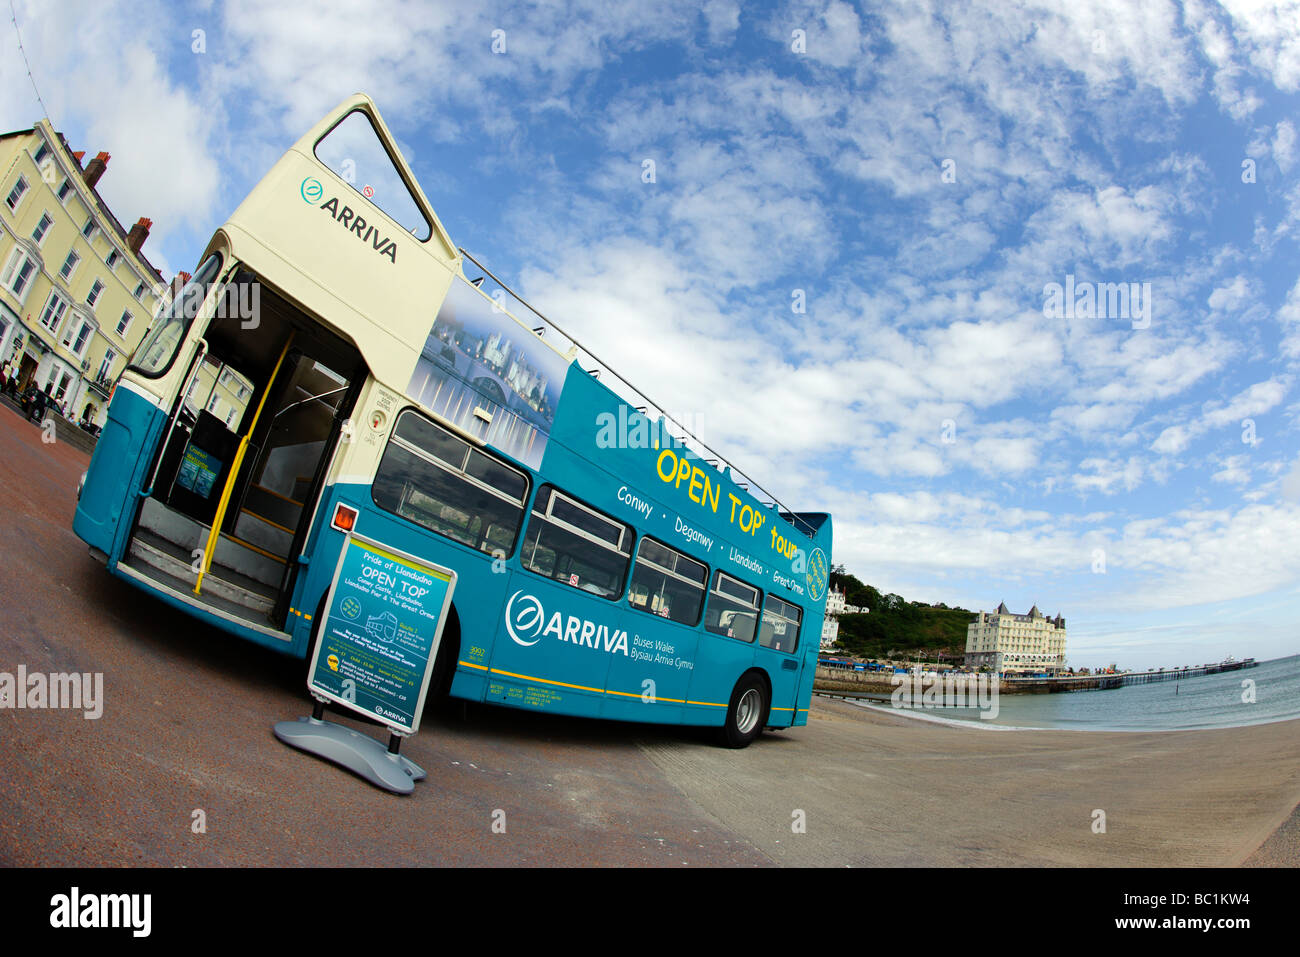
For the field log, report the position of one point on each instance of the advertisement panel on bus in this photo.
(486, 373)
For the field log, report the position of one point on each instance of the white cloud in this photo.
(1173, 440)
(1108, 476)
(108, 89)
(1233, 296)
(1284, 145)
(1288, 317)
(832, 32)
(1266, 32)
(723, 18)
(1233, 470)
(1255, 400)
(1212, 555)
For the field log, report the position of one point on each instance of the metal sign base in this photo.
(359, 753)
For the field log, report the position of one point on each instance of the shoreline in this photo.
(928, 714)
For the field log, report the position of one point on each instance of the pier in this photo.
(1059, 684)
(876, 684)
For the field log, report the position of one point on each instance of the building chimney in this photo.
(138, 234)
(78, 157)
(179, 282)
(95, 169)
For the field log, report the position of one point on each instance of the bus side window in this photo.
(435, 479)
(536, 557)
(780, 629)
(667, 583)
(733, 608)
(497, 539)
(571, 542)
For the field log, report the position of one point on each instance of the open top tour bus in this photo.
(329, 368)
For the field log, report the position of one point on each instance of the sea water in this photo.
(1268, 692)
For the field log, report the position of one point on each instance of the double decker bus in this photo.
(331, 368)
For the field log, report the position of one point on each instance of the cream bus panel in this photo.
(382, 302)
(313, 235)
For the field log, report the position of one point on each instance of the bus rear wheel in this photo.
(746, 714)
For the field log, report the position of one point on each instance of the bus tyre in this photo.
(746, 714)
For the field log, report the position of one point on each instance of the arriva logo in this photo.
(312, 190)
(524, 619)
(525, 615)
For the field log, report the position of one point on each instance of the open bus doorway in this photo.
(277, 384)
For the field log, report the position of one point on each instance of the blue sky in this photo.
(916, 174)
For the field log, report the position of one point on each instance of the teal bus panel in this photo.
(116, 471)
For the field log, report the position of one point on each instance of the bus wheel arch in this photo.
(748, 710)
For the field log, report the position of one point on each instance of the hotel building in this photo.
(1006, 643)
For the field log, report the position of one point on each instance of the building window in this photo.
(69, 265)
(123, 324)
(77, 342)
(42, 228)
(52, 316)
(111, 259)
(42, 152)
(18, 273)
(106, 366)
(57, 372)
(96, 290)
(139, 292)
(16, 194)
(62, 389)
(88, 230)
(64, 190)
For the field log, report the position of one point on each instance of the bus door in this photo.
(241, 471)
(779, 653)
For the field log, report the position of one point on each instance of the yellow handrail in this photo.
(215, 531)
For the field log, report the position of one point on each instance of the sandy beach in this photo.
(884, 789)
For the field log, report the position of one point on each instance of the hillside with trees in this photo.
(896, 628)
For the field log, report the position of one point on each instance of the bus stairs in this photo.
(247, 567)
